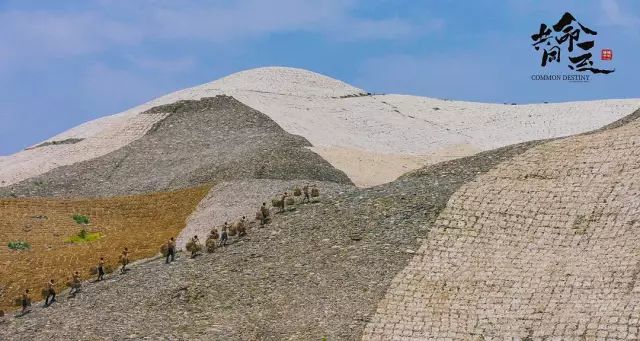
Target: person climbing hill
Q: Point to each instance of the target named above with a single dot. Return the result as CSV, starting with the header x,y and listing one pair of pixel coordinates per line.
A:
x,y
305,190
100,270
224,235
75,283
265,214
124,260
283,201
26,302
171,251
51,293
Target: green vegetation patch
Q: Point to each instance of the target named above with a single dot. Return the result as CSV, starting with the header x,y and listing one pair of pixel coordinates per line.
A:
x,y
81,219
19,245
84,236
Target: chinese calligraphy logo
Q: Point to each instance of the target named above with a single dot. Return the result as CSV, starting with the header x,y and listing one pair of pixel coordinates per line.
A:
x,y
569,33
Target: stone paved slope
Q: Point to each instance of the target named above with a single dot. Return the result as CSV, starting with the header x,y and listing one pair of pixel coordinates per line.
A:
x,y
384,136
109,133
545,246
230,200
94,139
199,142
372,138
317,271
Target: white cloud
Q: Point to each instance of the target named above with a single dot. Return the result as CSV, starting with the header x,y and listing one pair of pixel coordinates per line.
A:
x,y
180,64
616,16
44,34
49,34
253,18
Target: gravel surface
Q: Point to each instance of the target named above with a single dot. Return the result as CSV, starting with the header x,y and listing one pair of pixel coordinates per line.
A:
x,y
229,201
316,271
206,141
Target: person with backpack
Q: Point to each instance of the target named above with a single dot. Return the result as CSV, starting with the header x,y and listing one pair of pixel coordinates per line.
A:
x,y
265,214
124,260
100,270
26,302
51,293
171,250
305,190
75,283
224,236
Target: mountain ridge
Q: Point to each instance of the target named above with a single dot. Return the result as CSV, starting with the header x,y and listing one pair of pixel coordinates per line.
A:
x,y
372,138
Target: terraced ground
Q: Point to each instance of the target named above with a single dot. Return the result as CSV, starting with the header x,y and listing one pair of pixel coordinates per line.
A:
x,y
140,223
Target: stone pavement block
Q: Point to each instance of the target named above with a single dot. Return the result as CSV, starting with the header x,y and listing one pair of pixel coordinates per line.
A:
x,y
543,246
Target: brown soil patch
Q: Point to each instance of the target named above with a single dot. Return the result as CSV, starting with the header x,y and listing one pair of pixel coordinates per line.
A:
x,y
141,223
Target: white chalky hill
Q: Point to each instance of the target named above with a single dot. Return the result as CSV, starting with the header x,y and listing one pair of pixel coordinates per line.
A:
x,y
372,138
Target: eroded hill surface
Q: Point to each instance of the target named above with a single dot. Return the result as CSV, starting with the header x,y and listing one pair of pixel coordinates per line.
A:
x,y
372,138
544,231
543,246
197,142
317,271
141,223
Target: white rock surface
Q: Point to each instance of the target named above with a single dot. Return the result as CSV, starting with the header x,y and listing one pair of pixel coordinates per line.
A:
x,y
374,139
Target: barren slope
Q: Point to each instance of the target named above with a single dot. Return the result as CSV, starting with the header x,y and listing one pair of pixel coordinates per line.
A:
x,y
545,246
197,142
373,139
140,223
317,271
535,239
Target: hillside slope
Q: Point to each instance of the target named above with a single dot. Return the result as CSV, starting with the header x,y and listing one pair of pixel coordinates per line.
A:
x,y
317,271
545,246
372,138
141,223
197,142
531,240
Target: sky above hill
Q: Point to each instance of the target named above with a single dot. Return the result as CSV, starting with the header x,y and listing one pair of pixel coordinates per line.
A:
x,y
65,62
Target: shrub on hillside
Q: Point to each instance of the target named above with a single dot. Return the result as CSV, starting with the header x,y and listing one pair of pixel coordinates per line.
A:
x,y
81,219
19,245
83,235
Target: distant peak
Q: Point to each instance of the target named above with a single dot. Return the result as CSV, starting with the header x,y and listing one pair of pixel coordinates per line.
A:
x,y
285,81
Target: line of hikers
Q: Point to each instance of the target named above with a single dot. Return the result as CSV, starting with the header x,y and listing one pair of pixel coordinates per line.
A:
x,y
214,239
239,227
49,293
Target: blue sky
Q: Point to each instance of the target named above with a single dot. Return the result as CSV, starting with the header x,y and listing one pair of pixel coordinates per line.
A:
x,y
65,62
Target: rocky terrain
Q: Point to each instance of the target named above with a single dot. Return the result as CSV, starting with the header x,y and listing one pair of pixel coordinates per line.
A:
x,y
543,246
317,271
231,200
372,138
534,240
197,142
